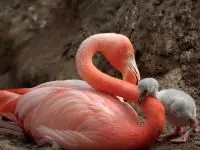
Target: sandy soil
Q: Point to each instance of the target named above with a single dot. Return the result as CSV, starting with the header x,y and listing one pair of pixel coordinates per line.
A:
x,y
39,39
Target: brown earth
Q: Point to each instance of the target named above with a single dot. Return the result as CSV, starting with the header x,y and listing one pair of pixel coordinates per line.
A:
x,y
39,39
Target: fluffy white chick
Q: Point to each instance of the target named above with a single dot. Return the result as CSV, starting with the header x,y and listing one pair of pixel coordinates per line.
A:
x,y
180,109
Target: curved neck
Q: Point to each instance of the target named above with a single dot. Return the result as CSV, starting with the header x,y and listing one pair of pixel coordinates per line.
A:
x,y
96,78
146,134
140,135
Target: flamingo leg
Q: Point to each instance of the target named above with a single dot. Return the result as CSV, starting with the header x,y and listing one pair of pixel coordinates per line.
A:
x,y
176,132
8,127
183,138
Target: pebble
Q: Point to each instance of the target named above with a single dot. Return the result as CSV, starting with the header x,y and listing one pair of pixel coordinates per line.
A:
x,y
197,143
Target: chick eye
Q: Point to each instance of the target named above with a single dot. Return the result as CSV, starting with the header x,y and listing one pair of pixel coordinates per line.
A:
x,y
145,91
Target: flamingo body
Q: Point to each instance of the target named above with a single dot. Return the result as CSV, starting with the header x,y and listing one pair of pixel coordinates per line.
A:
x,y
179,106
76,117
90,114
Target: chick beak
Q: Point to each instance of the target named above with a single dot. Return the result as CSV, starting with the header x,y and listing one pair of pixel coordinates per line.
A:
x,y
132,73
141,97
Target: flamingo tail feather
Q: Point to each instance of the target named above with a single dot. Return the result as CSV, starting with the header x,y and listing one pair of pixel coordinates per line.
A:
x,y
19,91
8,102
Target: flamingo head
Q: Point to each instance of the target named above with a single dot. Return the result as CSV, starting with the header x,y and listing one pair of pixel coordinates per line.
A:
x,y
120,54
148,87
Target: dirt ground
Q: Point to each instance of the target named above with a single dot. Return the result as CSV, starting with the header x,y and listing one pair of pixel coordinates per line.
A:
x,y
39,39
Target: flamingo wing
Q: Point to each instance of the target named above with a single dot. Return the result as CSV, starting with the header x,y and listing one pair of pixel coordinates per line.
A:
x,y
74,117
78,84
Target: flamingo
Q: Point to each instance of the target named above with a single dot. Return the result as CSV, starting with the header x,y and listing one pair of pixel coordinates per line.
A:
x,y
87,114
180,109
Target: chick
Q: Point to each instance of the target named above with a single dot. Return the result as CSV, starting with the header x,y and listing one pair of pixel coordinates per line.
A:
x,y
180,109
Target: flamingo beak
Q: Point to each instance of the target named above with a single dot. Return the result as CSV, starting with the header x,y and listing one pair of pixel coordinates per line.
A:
x,y
132,73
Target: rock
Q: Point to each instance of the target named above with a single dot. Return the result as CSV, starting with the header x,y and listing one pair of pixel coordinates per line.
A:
x,y
39,39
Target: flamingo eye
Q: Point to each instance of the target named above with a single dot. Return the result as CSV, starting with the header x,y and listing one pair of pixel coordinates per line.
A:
x,y
129,56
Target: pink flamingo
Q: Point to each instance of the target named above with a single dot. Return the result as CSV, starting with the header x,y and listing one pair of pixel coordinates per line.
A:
x,y
74,114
